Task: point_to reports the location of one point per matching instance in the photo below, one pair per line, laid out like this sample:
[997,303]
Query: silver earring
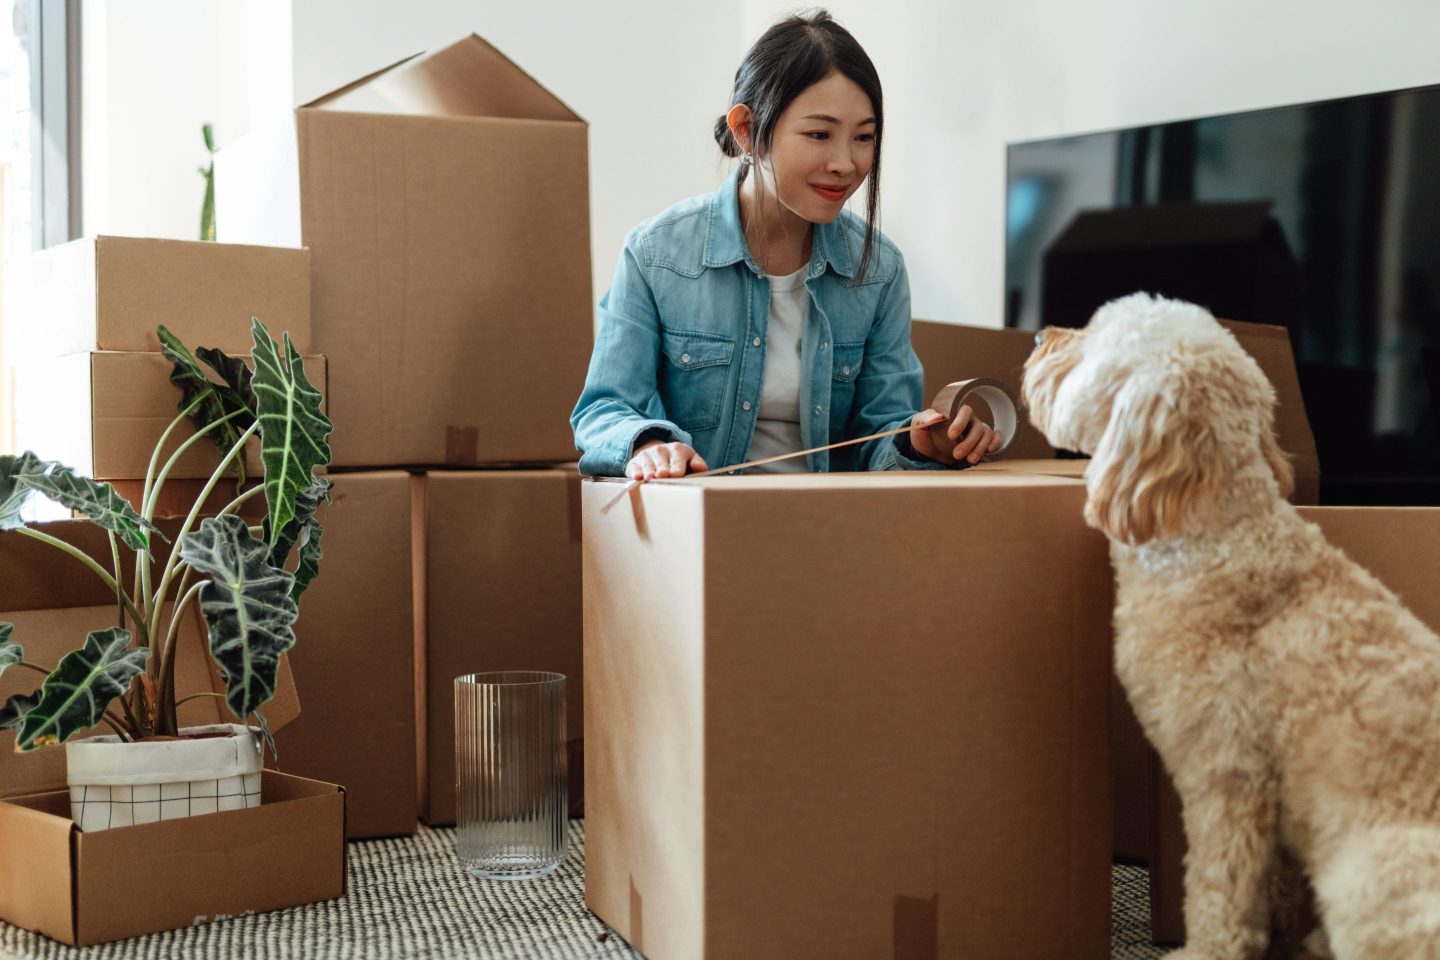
[746,160]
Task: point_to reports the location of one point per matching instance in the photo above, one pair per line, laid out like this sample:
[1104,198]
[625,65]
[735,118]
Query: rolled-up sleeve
[620,400]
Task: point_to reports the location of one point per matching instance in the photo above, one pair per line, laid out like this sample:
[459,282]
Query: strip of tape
[1003,407]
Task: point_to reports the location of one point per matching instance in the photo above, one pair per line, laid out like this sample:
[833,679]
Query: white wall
[964,77]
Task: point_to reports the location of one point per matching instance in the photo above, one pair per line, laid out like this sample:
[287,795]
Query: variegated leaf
[216,400]
[10,653]
[246,605]
[14,709]
[75,696]
[98,501]
[13,493]
[307,502]
[293,427]
[310,554]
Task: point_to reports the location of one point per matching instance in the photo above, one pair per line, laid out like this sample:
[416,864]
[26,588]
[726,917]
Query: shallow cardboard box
[354,655]
[500,568]
[101,413]
[110,293]
[445,201]
[803,741]
[78,888]
[1401,547]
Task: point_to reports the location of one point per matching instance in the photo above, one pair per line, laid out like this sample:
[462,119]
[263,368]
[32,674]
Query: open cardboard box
[110,293]
[445,202]
[848,715]
[89,888]
[101,413]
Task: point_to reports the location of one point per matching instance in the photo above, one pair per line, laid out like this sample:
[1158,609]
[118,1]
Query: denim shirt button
[823,344]
[845,370]
[818,409]
[684,358]
[745,405]
[755,342]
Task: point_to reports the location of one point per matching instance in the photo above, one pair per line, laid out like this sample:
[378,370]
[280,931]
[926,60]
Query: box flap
[1270,346]
[38,877]
[469,78]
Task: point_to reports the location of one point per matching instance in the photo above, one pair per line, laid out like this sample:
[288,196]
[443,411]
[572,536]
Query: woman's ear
[738,119]
[1155,466]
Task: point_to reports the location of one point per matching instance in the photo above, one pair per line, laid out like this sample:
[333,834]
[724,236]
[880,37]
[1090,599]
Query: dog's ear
[1156,463]
[1278,459]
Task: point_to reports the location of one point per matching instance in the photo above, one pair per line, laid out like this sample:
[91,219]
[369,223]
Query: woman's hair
[792,56]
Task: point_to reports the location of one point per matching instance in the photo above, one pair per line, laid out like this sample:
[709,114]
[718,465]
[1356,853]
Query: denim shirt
[680,349]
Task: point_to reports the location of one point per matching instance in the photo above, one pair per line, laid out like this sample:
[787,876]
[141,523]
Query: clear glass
[510,789]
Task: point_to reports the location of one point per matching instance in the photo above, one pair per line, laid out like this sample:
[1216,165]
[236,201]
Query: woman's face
[822,149]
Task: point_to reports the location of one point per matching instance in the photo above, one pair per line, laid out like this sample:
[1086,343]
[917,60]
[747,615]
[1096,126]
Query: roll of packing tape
[1003,408]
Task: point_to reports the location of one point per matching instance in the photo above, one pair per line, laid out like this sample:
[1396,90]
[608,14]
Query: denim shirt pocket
[845,362]
[697,375]
[846,359]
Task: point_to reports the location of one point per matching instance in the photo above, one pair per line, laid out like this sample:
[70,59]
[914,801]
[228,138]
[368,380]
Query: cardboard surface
[775,669]
[502,562]
[1401,547]
[54,601]
[110,293]
[445,202]
[78,888]
[353,657]
[101,413]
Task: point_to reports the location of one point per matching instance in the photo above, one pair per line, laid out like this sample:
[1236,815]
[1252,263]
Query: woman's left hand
[973,438]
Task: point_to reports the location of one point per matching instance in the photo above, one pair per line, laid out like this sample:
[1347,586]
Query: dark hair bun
[725,138]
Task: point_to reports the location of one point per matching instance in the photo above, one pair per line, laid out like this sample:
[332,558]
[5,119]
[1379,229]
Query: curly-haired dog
[1295,702]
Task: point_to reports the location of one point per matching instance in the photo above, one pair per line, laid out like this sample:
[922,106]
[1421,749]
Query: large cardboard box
[848,716]
[110,293]
[79,888]
[354,654]
[101,413]
[499,567]
[445,201]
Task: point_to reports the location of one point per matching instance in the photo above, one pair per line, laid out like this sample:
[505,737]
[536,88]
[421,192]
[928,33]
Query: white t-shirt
[777,429]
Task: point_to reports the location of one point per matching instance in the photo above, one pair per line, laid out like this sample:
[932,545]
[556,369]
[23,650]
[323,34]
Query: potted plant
[124,676]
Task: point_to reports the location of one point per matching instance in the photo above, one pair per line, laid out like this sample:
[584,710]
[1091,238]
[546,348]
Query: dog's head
[1166,401]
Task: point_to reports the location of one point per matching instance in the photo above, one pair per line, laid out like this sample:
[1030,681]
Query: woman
[764,318]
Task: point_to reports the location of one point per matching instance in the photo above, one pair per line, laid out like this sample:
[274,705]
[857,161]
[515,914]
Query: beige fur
[1295,702]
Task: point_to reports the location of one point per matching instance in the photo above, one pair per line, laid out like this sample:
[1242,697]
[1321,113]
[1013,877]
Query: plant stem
[145,506]
[119,592]
[234,505]
[118,726]
[34,666]
[166,692]
[174,558]
[78,554]
[195,696]
[180,451]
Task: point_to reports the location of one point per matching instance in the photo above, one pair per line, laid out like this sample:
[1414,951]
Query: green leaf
[98,501]
[75,696]
[265,734]
[293,427]
[10,653]
[310,554]
[13,493]
[13,710]
[216,400]
[246,605]
[307,502]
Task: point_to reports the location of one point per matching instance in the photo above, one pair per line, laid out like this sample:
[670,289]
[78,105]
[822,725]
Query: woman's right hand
[658,459]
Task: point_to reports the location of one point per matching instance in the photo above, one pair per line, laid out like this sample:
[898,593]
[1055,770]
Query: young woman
[765,318]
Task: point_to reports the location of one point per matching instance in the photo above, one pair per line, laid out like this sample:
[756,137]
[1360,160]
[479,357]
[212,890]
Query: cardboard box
[1401,547]
[101,413]
[110,293]
[806,740]
[354,657]
[445,201]
[498,568]
[79,888]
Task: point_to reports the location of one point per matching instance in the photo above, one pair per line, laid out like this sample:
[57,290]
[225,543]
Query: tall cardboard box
[102,412]
[499,566]
[79,888]
[848,716]
[445,202]
[110,293]
[354,654]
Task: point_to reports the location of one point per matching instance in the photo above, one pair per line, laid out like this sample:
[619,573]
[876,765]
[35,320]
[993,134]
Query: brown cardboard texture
[102,413]
[1401,547]
[354,657]
[802,739]
[110,293]
[56,602]
[445,201]
[80,888]
[954,352]
[502,583]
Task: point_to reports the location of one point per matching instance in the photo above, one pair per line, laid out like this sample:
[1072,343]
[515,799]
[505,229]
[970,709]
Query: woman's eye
[866,138]
[818,135]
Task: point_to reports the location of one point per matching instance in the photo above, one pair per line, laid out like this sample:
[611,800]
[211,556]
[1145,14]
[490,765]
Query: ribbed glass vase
[510,787]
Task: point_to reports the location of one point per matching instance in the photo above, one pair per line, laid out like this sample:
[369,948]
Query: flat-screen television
[1322,217]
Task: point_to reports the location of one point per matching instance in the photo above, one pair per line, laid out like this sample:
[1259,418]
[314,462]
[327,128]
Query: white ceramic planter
[116,784]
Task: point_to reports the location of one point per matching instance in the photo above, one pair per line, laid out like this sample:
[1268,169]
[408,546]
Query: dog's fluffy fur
[1295,701]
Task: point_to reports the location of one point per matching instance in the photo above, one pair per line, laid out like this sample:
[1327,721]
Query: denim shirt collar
[725,239]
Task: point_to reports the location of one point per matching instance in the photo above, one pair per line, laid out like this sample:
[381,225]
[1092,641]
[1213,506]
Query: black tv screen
[1323,218]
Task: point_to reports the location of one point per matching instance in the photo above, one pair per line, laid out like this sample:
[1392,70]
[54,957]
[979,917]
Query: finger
[978,432]
[927,418]
[925,445]
[961,423]
[633,469]
[698,464]
[996,438]
[982,444]
[678,459]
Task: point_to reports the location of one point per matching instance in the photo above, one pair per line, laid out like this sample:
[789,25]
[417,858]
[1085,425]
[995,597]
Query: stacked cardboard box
[444,201]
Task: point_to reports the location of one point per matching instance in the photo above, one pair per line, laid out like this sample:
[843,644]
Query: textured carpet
[409,898]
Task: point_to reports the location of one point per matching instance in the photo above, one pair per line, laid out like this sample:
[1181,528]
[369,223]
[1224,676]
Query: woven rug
[409,898]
